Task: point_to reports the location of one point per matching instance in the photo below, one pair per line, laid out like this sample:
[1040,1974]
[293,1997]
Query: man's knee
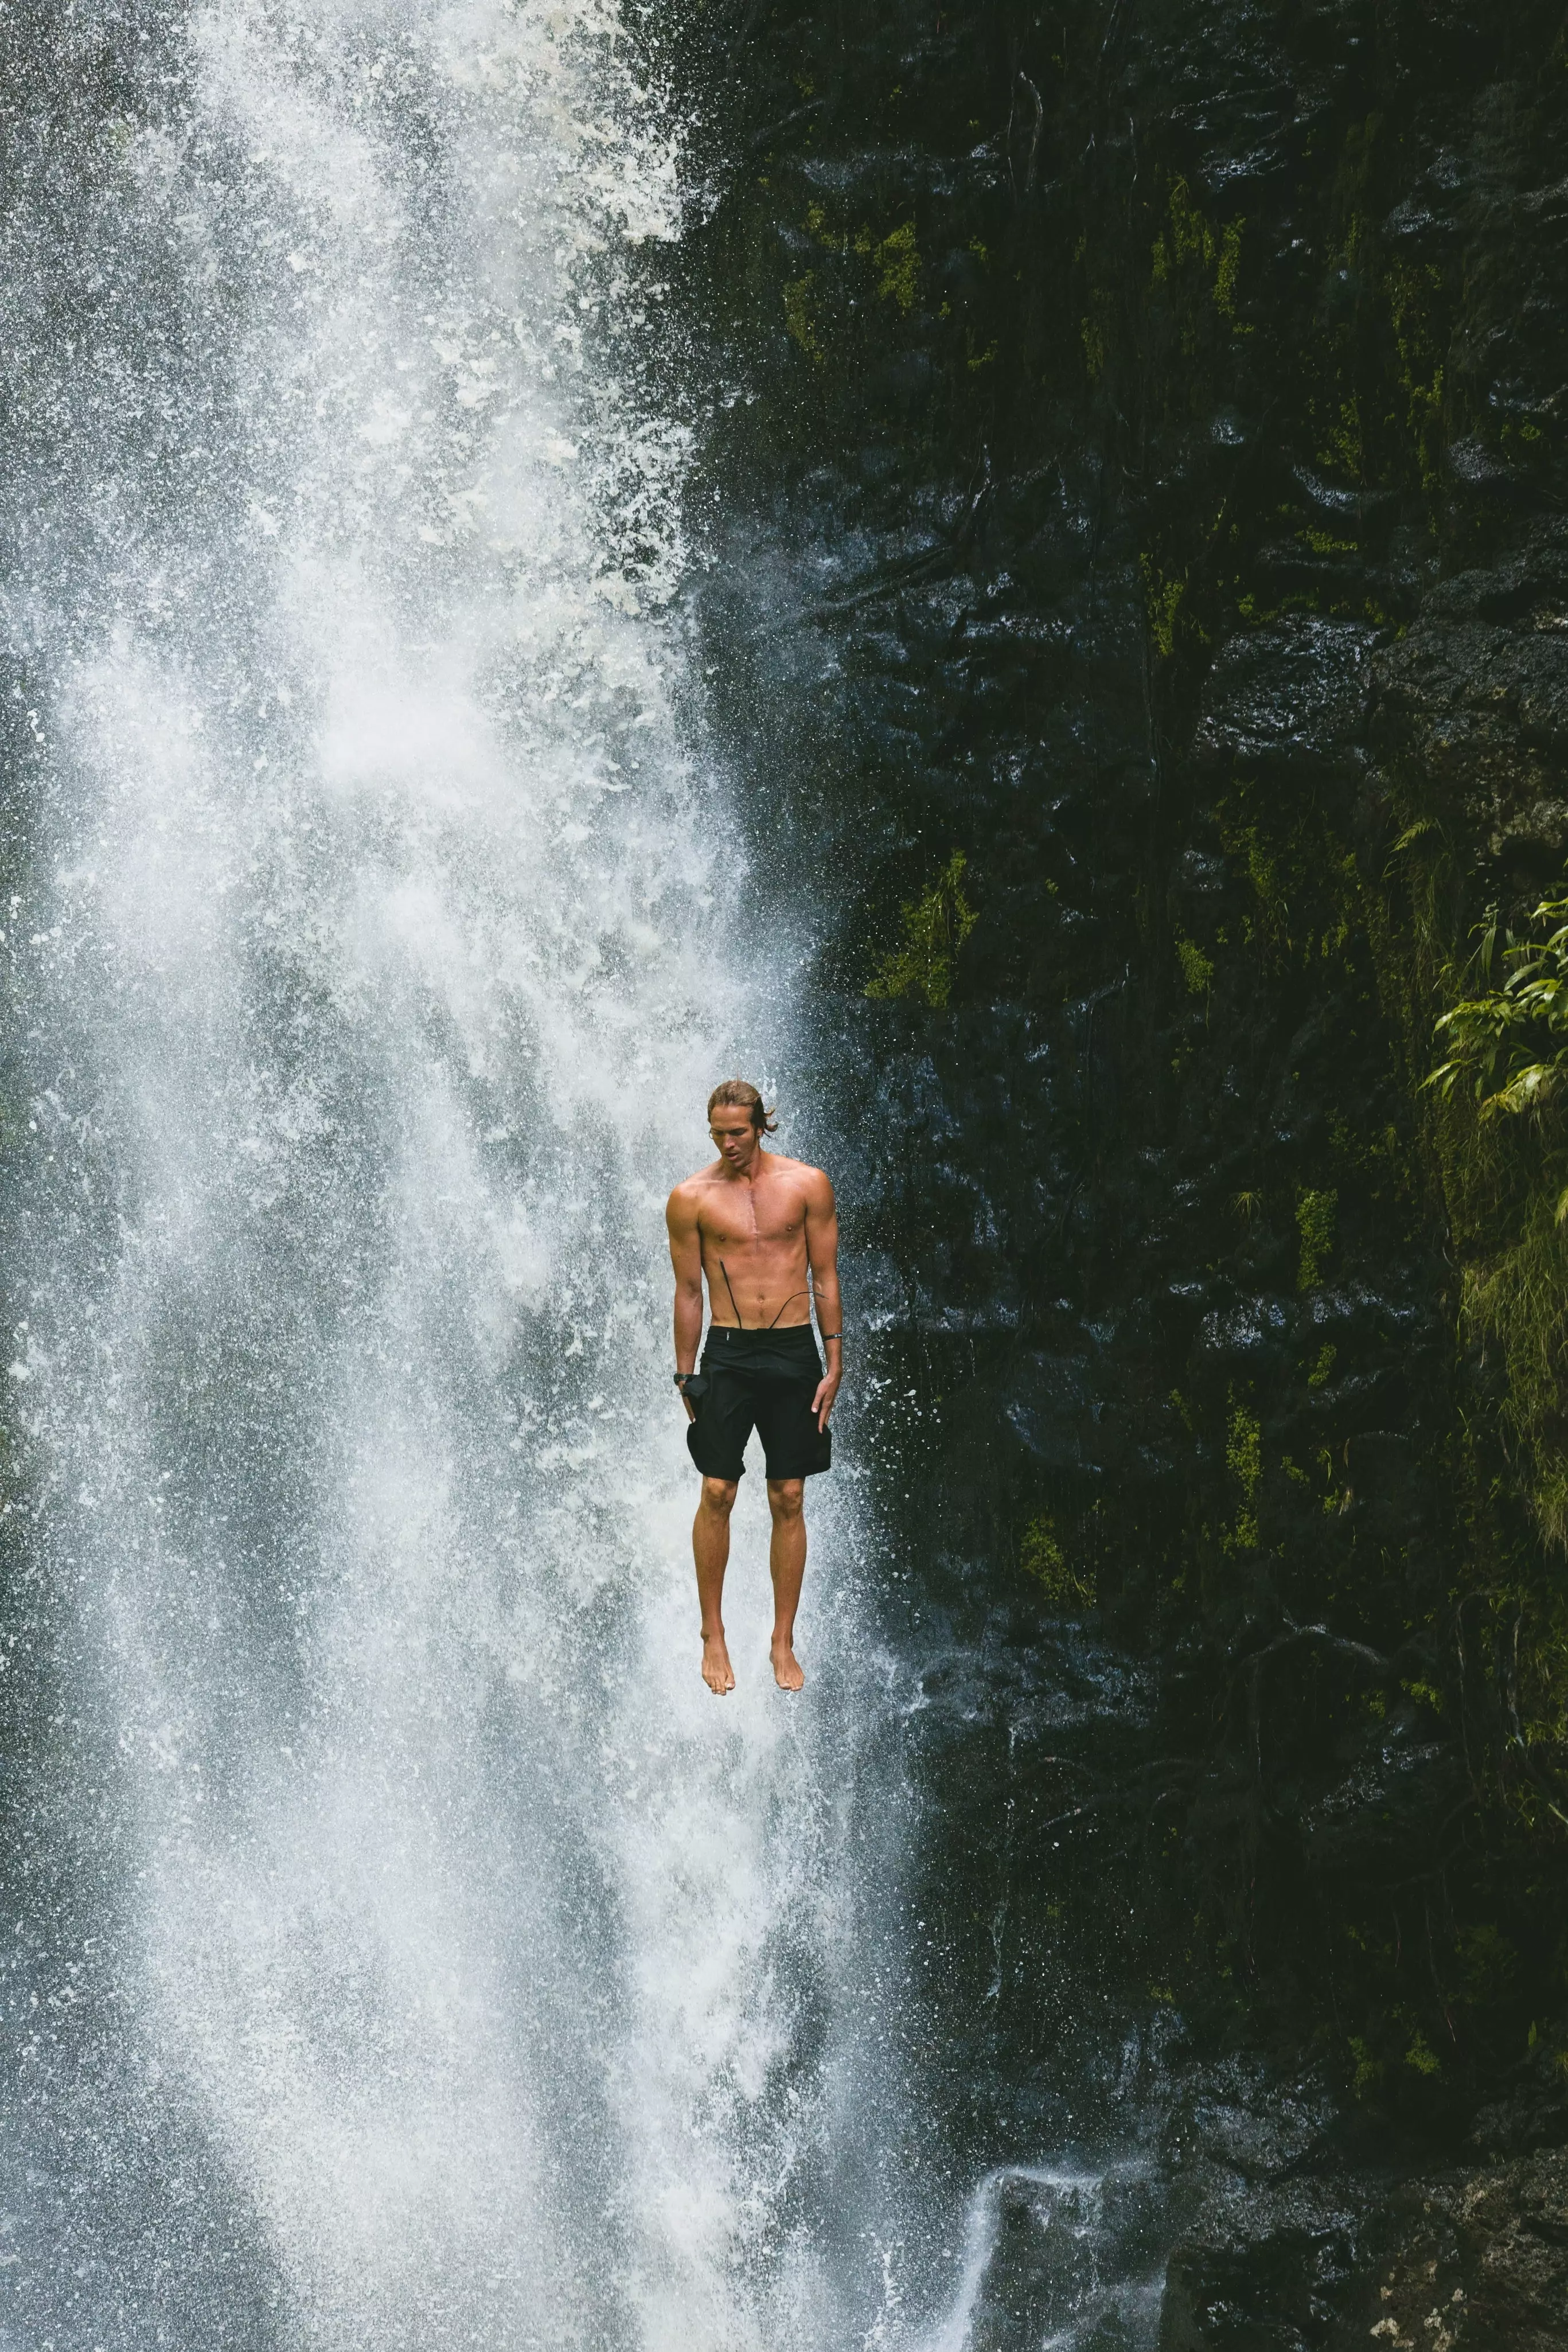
[786,1497]
[718,1495]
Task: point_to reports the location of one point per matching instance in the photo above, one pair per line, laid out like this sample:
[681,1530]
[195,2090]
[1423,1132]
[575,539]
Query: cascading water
[406,1949]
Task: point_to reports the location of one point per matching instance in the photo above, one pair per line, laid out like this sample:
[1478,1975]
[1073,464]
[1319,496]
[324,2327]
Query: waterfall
[405,1950]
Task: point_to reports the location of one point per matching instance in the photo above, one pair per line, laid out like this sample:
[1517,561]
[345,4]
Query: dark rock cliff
[1140,605]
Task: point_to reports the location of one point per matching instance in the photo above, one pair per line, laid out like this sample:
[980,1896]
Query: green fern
[1509,1044]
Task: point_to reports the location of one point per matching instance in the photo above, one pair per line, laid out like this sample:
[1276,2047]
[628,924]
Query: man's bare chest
[744,1221]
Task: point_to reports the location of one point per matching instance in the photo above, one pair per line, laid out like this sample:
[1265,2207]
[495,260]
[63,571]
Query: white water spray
[461,1973]
[1049,2256]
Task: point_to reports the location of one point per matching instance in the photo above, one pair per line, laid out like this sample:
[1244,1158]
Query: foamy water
[424,1959]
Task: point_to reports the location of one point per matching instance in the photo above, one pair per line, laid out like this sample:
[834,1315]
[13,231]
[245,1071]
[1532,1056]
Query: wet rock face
[1278,2295]
[1470,709]
[1470,2263]
[1064,2259]
[1288,700]
[1142,472]
[1482,2262]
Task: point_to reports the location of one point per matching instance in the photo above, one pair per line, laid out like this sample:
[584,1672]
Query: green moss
[1415,298]
[936,925]
[1366,2073]
[1315,1217]
[1095,331]
[1190,254]
[1186,237]
[1420,2056]
[900,263]
[1163,601]
[797,299]
[1426,1694]
[1244,1461]
[1520,1302]
[1197,968]
[1229,269]
[1243,838]
[1244,1450]
[1345,449]
[1040,1555]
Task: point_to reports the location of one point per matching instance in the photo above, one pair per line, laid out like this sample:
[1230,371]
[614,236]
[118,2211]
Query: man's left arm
[822,1251]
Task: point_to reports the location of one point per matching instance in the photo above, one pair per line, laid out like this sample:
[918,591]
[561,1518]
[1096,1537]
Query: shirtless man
[753,1222]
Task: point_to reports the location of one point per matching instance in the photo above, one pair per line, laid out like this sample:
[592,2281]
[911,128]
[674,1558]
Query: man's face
[734,1138]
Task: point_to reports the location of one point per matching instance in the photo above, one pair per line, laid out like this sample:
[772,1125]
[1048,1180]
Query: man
[754,1222]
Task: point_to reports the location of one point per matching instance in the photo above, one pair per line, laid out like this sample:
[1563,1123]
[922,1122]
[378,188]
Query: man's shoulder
[799,1171]
[691,1188]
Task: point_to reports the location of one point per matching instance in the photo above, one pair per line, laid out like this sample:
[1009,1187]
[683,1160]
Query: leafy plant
[1509,1043]
[936,925]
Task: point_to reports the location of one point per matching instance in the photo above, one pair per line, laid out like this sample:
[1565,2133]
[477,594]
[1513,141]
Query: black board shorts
[763,1380]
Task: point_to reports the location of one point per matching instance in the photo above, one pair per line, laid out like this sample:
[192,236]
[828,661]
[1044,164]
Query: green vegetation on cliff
[1165,409]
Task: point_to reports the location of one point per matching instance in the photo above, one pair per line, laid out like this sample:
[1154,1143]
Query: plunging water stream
[406,1950]
[398,1946]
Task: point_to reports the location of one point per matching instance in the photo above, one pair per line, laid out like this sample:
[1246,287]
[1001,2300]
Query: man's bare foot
[717,1671]
[786,1666]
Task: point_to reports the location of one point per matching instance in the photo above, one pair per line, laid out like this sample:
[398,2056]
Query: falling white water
[1056,2259]
[426,1959]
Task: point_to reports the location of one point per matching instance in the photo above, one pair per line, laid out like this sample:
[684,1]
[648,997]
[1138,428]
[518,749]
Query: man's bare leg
[710,1550]
[787,1562]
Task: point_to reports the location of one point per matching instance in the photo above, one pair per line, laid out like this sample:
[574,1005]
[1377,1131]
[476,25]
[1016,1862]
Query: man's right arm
[686,1257]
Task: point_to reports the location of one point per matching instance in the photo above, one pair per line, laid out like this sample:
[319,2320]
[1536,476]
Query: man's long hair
[743,1096]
